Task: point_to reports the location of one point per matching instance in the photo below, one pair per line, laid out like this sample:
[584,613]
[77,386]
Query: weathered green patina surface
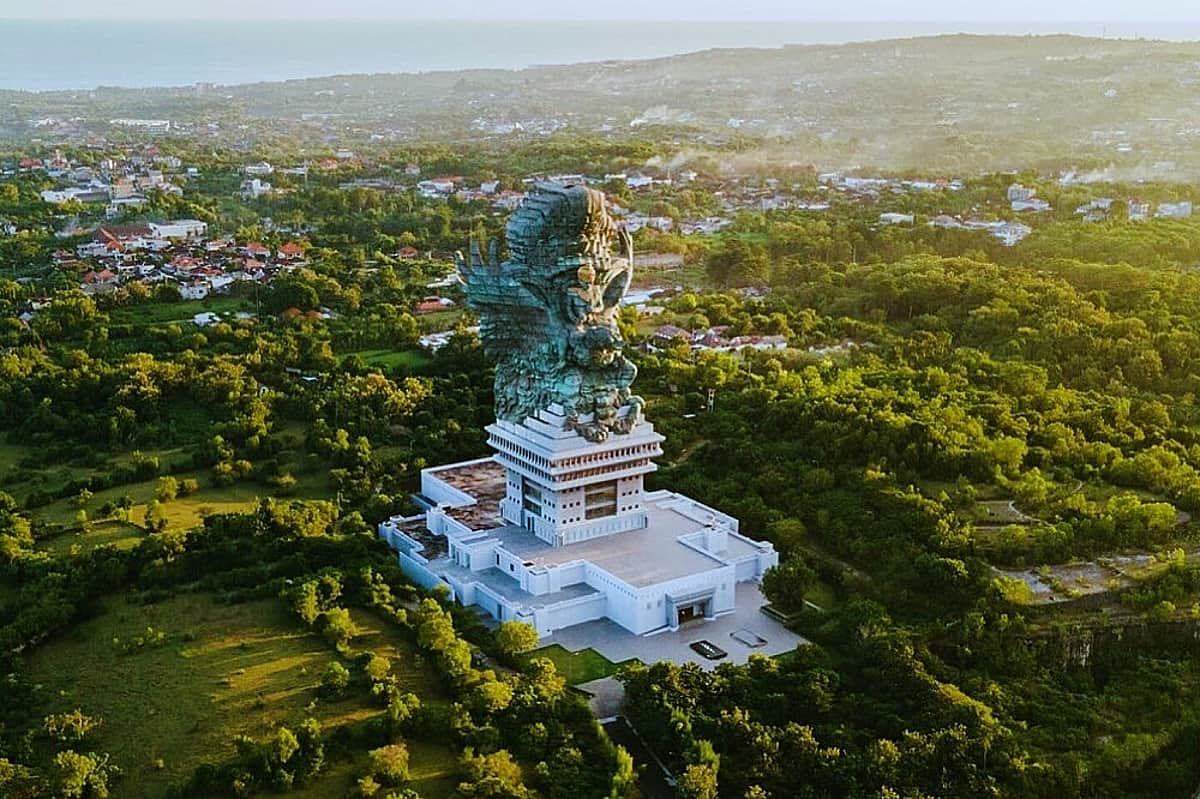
[548,315]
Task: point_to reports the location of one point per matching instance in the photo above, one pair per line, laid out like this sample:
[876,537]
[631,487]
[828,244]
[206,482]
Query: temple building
[556,528]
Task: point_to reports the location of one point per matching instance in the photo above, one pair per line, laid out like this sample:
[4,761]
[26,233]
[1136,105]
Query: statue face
[595,292]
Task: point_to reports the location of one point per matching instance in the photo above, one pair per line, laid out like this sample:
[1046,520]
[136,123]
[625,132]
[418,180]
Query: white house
[1010,233]
[1018,193]
[205,319]
[85,194]
[195,289]
[1036,205]
[1180,210]
[255,188]
[438,187]
[180,229]
[221,283]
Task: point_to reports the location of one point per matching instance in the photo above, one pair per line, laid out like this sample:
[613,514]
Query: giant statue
[548,314]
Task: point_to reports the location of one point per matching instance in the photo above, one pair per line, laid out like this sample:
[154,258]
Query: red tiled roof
[120,232]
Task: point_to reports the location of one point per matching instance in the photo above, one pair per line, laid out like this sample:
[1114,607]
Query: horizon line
[702,20]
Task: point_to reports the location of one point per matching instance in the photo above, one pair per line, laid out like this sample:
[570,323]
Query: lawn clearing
[578,667]
[10,456]
[19,481]
[821,594]
[391,359]
[224,670]
[999,512]
[159,313]
[412,672]
[439,320]
[118,534]
[432,769]
[185,512]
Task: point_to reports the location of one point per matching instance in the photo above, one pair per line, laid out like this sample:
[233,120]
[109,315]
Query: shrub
[335,680]
[516,636]
[389,764]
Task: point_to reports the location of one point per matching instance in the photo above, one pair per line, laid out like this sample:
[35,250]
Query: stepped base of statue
[564,488]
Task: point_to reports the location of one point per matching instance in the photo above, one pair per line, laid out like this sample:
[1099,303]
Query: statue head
[548,314]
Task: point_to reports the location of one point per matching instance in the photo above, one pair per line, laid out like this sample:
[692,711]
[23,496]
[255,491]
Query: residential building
[1011,233]
[1180,210]
[1018,193]
[259,169]
[180,229]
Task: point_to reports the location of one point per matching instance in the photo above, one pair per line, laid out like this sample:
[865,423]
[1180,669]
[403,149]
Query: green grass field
[160,313]
[118,534]
[19,482]
[439,320]
[182,512]
[409,668]
[224,670]
[578,667]
[822,595]
[433,774]
[10,456]
[391,359]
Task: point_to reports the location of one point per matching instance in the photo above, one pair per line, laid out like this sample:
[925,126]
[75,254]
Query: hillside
[959,102]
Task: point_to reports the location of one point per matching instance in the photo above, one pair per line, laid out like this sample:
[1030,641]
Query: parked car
[708,650]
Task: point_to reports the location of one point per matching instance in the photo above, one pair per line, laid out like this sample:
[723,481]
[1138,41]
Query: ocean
[52,55]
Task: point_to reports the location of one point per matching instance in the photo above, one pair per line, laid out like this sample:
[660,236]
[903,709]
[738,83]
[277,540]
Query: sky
[799,10]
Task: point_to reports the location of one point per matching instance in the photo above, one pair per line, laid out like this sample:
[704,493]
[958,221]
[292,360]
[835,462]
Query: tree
[787,584]
[335,680]
[739,263]
[19,782]
[79,776]
[72,726]
[167,490]
[493,776]
[156,517]
[389,764]
[698,781]
[338,626]
[787,534]
[377,667]
[492,696]
[516,636]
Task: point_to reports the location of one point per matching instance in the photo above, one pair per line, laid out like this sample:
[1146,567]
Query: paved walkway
[618,644]
[607,695]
